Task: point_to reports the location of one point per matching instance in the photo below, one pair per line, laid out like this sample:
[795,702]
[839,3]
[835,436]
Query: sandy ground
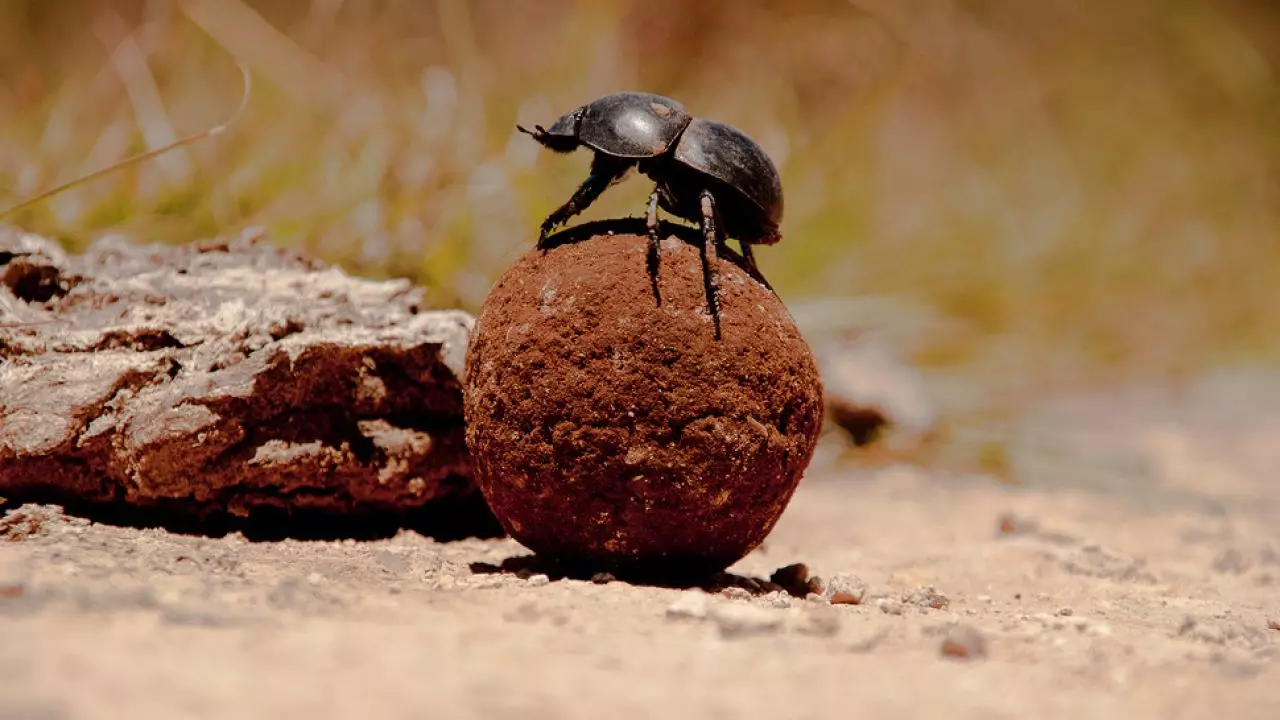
[1135,575]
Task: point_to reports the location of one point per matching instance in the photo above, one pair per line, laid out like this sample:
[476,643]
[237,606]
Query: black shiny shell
[728,155]
[626,124]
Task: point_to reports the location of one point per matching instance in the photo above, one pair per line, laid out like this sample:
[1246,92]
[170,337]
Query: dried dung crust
[228,378]
[611,431]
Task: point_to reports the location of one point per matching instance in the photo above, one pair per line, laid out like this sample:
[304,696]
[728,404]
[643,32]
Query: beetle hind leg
[749,259]
[710,239]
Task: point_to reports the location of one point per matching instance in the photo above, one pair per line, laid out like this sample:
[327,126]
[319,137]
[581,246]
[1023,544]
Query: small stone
[736,593]
[779,600]
[926,596]
[741,619]
[795,579]
[1010,524]
[482,582]
[965,642]
[768,586]
[1065,612]
[538,580]
[1273,623]
[791,575]
[889,607]
[11,590]
[849,588]
[603,578]
[690,605]
[393,563]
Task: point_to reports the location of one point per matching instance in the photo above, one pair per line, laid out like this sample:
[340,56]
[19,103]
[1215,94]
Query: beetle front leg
[710,239]
[651,224]
[604,172]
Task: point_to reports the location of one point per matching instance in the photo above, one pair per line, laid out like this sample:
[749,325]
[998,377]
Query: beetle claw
[546,229]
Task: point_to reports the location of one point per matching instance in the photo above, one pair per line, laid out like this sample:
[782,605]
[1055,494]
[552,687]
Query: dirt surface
[229,379]
[1135,574]
[617,431]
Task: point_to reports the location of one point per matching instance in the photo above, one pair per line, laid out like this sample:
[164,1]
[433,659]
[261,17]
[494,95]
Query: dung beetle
[705,171]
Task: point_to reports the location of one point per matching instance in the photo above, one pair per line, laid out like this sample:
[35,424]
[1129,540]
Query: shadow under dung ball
[610,432]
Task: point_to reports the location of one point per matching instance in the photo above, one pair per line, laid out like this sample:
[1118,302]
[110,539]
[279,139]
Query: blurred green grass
[1080,190]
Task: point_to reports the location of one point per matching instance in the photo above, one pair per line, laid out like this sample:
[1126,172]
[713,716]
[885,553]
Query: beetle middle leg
[710,239]
[605,171]
[651,224]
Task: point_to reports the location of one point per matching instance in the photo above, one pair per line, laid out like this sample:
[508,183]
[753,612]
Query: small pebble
[796,580]
[741,619]
[483,582]
[1010,524]
[926,596]
[603,578]
[1065,612]
[889,607]
[849,588]
[736,593]
[791,575]
[779,600]
[964,641]
[538,580]
[1273,624]
[691,605]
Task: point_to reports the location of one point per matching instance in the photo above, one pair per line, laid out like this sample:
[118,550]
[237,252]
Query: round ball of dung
[610,428]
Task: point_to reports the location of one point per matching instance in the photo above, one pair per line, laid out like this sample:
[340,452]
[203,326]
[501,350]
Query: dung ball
[611,429]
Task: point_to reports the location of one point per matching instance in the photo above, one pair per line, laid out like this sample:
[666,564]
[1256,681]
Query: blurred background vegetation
[1038,194]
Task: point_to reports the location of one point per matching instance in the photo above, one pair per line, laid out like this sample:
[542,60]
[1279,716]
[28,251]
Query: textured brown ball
[618,434]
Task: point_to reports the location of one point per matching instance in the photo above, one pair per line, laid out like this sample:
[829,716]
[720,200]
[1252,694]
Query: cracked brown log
[228,379]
